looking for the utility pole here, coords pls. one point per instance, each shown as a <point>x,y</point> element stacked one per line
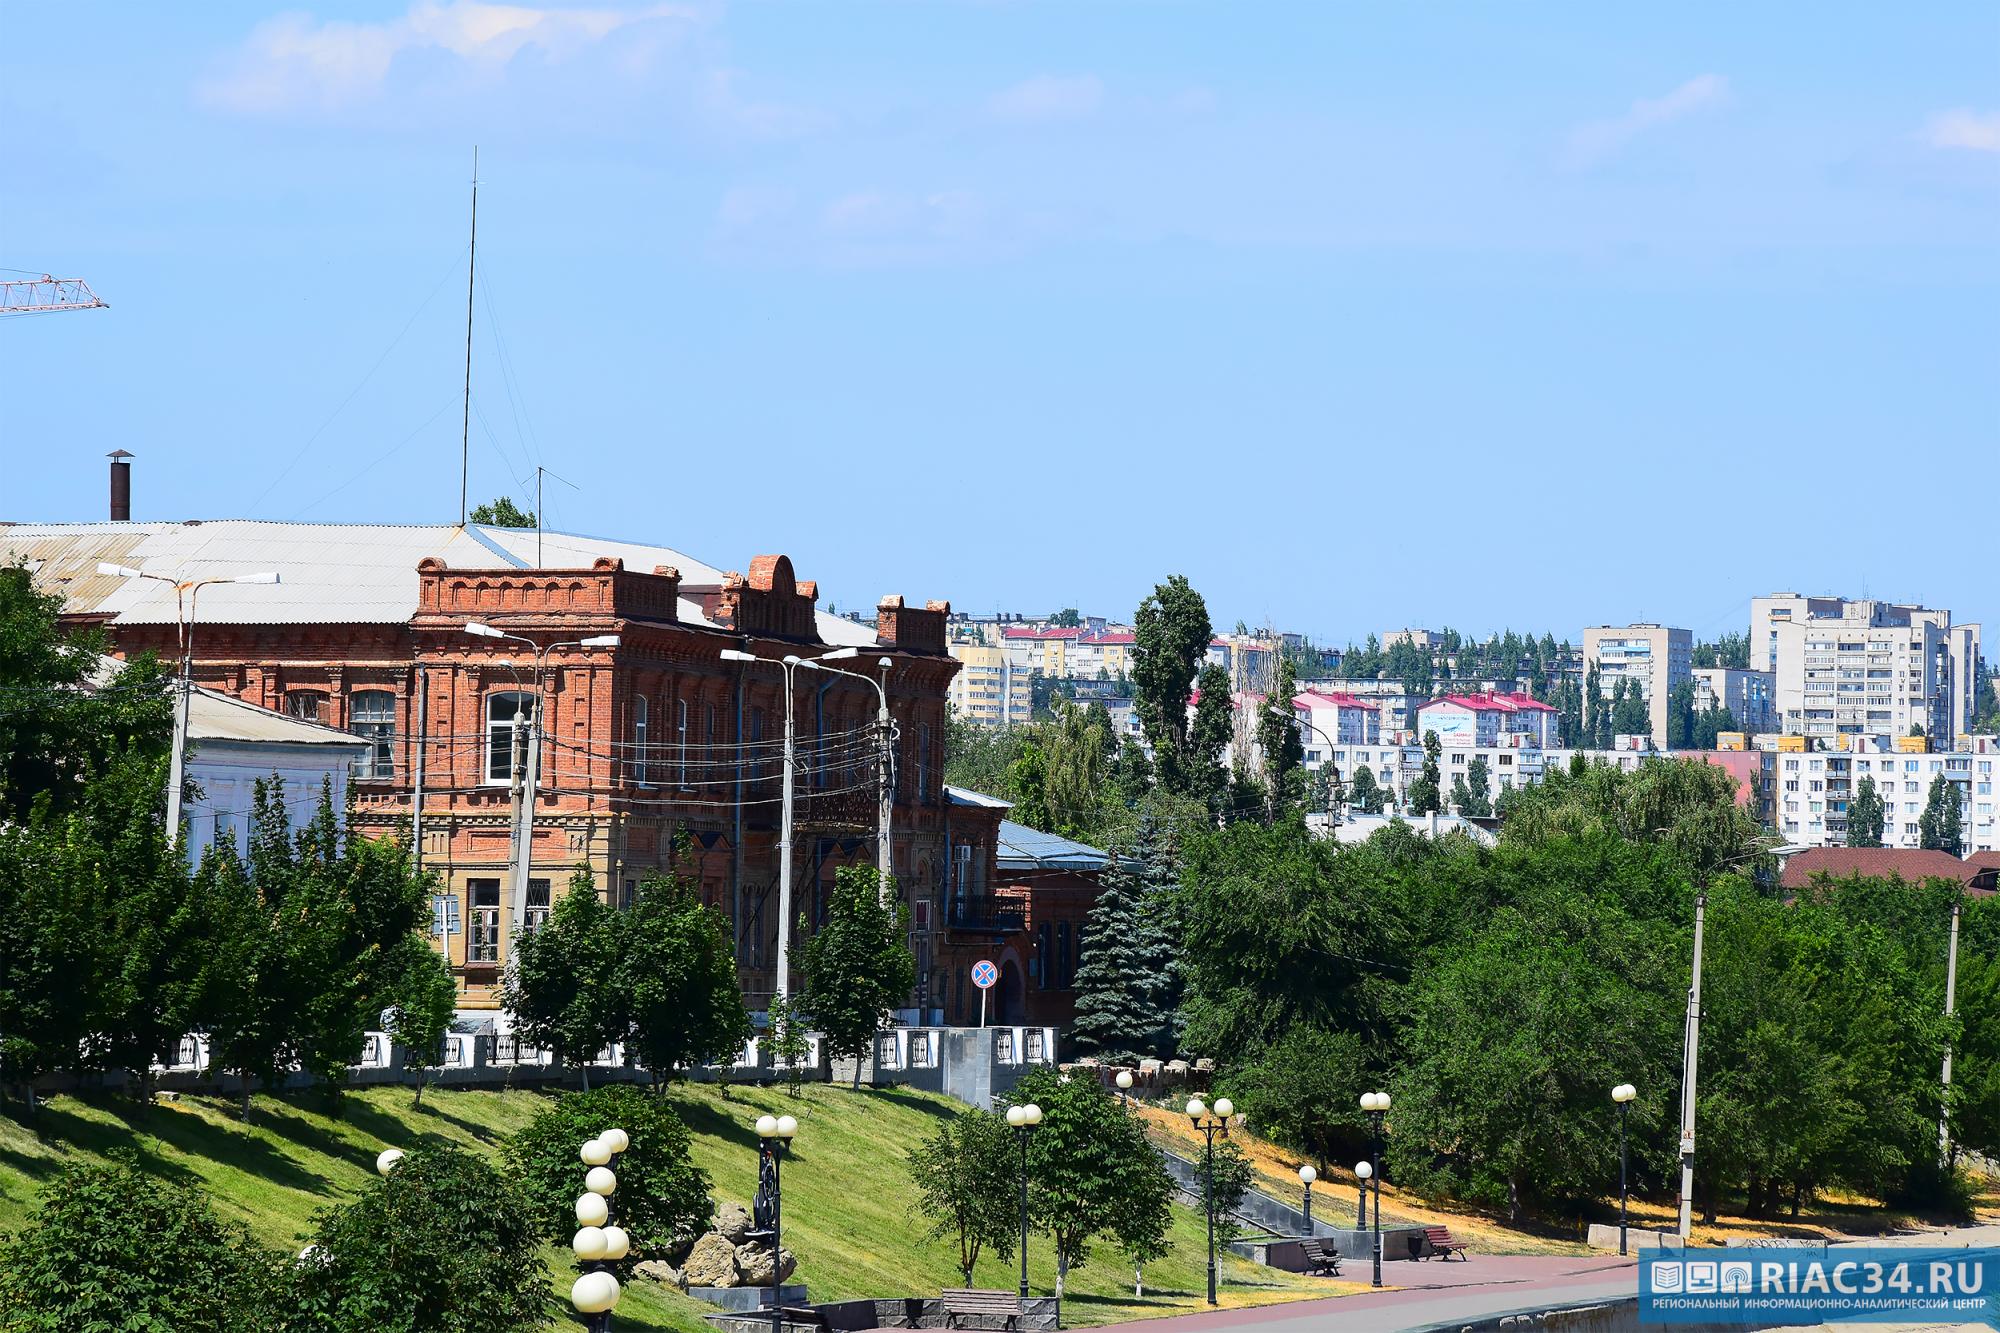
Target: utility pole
<point>1693,1042</point>
<point>465,422</point>
<point>417,780</point>
<point>884,798</point>
<point>783,986</point>
<point>1950,1006</point>
<point>521,844</point>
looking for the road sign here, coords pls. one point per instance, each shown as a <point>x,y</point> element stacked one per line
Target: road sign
<point>984,974</point>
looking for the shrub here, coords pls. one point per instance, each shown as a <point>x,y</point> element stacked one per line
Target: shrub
<point>444,1245</point>
<point>661,1194</point>
<point>113,1248</point>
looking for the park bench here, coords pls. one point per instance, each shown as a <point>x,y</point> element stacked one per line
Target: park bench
<point>1442,1244</point>
<point>1320,1257</point>
<point>957,1301</point>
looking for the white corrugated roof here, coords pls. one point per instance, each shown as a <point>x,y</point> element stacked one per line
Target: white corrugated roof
<point>330,573</point>
<point>220,717</point>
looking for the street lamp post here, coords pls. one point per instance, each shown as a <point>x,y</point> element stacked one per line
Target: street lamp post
<point>1306,1178</point>
<point>1024,1118</point>
<point>1362,1170</point>
<point>774,1135</point>
<point>531,774</point>
<point>790,663</point>
<point>1376,1104</point>
<point>186,592</point>
<point>598,1245</point>
<point>884,799</point>
<point>1124,1082</point>
<point>1622,1095</point>
<point>1210,1124</point>
<point>1332,811</point>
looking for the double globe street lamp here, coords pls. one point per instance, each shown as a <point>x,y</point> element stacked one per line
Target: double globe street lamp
<point>1376,1106</point>
<point>598,1244</point>
<point>1023,1119</point>
<point>1210,1124</point>
<point>1622,1097</point>
<point>774,1135</point>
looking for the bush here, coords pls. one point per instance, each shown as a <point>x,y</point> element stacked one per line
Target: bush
<point>113,1248</point>
<point>660,1195</point>
<point>444,1245</point>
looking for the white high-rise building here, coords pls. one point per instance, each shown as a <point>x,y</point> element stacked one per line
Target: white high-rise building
<point>1865,668</point>
<point>1654,657</point>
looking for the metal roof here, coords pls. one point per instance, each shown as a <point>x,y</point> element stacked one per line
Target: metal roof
<point>213,716</point>
<point>1024,848</point>
<point>330,573</point>
<point>967,796</point>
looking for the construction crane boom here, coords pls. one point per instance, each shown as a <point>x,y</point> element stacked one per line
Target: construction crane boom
<point>45,295</point>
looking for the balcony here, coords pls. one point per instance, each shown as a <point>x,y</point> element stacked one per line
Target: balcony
<point>985,916</point>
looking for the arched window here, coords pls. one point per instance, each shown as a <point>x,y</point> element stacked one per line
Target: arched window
<point>640,708</point>
<point>372,715</point>
<point>501,708</point>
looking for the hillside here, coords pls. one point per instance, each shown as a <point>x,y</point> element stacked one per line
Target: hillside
<point>848,1197</point>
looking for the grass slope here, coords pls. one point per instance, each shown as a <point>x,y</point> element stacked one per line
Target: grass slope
<point>848,1196</point>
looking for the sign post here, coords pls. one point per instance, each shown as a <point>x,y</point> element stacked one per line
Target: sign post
<point>984,974</point>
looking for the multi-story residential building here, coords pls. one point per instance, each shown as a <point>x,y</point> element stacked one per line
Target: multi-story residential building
<point>1102,654</point>
<point>1040,649</point>
<point>1655,657</point>
<point>1416,638</point>
<point>654,750</point>
<point>987,690</point>
<point>1748,695</point>
<point>1329,720</point>
<point>1251,661</point>
<point>1480,720</point>
<point>1865,668</point>
<point>1815,787</point>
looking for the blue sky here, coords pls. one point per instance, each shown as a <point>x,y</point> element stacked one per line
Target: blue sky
<point>1357,315</point>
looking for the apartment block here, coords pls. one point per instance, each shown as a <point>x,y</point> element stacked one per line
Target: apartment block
<point>1748,695</point>
<point>1656,657</point>
<point>1814,789</point>
<point>1865,668</point>
<point>987,690</point>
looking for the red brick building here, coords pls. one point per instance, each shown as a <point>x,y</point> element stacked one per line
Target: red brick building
<point>1029,923</point>
<point>642,743</point>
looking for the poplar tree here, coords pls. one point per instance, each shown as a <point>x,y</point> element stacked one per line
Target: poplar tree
<point>1865,816</point>
<point>858,964</point>
<point>1171,634</point>
<point>1940,827</point>
<point>1278,738</point>
<point>1426,796</point>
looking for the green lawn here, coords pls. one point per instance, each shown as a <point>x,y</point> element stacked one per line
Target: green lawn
<point>848,1196</point>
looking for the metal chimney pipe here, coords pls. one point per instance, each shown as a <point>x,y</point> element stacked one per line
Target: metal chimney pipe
<point>121,486</point>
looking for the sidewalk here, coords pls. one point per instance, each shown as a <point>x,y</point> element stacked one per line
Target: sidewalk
<point>1436,1291</point>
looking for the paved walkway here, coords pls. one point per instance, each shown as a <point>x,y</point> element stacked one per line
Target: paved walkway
<point>1436,1291</point>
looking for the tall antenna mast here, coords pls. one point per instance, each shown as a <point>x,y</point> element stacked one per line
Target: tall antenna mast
<point>465,420</point>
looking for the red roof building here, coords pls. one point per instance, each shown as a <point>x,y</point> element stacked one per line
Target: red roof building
<point>1911,865</point>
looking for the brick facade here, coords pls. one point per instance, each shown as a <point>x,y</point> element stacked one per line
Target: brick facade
<point>708,770</point>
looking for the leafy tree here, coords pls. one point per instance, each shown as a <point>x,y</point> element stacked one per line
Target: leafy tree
<point>1629,716</point>
<point>789,1044</point>
<point>1299,1091</point>
<point>1461,795</point>
<point>965,1174</point>
<point>421,996</point>
<point>1685,805</point>
<point>1560,997</point>
<point>1731,650</point>
<point>56,730</point>
<point>1939,828</point>
<point>303,929</point>
<point>1681,716</point>
<point>1710,723</point>
<point>1478,781</point>
<point>1426,793</point>
<point>443,1245</point>
<point>1171,634</point>
<point>1028,784</point>
<point>1596,728</point>
<point>1077,764</point>
<point>676,987</point>
<point>1225,1179</point>
<point>564,988</point>
<point>1067,618</point>
<point>858,964</point>
<point>502,512</point>
<point>1278,740</point>
<point>1092,1172</point>
<point>662,1196</point>
<point>1125,981</point>
<point>1213,728</point>
<point>1865,816</point>
<point>1365,794</point>
<point>55,967</point>
<point>114,1248</point>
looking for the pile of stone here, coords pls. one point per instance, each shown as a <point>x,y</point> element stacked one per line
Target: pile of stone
<point>726,1256</point>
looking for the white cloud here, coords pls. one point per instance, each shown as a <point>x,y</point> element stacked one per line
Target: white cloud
<point>1048,97</point>
<point>296,60</point>
<point>1593,143</point>
<point>1975,131</point>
